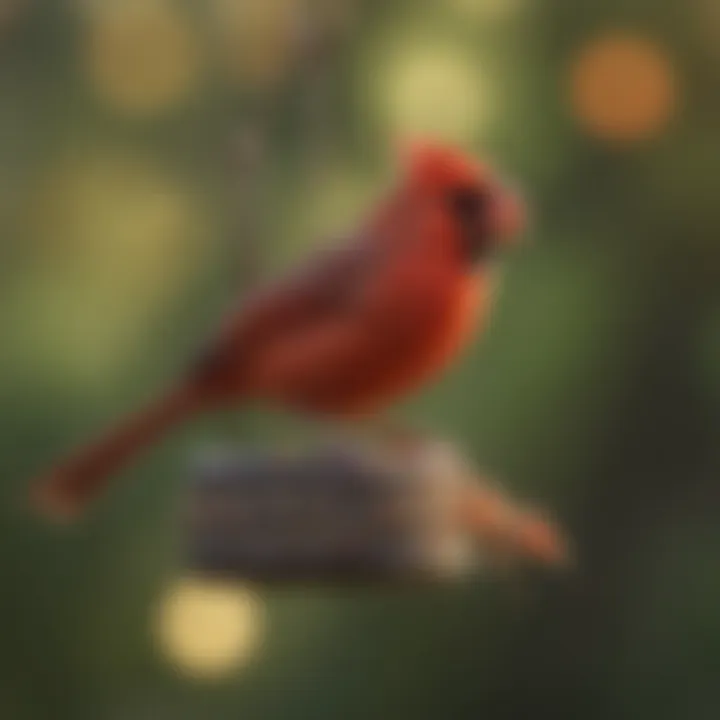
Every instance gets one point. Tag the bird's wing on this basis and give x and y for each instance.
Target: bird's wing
(376, 313)
(329, 284)
(346, 281)
(327, 287)
(328, 306)
(344, 278)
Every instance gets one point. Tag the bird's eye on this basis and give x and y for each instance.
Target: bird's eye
(468, 203)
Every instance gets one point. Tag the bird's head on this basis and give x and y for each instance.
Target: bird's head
(487, 213)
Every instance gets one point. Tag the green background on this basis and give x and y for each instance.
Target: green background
(596, 391)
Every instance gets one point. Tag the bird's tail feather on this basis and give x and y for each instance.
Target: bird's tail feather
(75, 481)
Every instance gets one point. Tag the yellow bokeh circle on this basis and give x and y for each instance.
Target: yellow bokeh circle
(254, 42)
(141, 59)
(115, 241)
(206, 629)
(431, 88)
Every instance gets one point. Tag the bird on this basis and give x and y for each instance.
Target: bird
(363, 322)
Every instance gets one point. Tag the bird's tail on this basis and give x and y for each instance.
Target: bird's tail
(75, 481)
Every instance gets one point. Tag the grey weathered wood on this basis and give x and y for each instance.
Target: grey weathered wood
(333, 514)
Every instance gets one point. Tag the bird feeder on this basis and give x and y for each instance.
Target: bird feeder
(352, 513)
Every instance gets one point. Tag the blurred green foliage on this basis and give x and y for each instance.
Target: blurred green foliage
(125, 221)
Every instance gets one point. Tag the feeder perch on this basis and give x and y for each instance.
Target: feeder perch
(351, 513)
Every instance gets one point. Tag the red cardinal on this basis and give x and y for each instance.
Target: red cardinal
(358, 326)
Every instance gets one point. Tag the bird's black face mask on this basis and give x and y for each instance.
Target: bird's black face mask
(471, 207)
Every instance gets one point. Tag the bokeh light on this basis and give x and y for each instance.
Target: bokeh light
(431, 88)
(623, 88)
(255, 41)
(117, 239)
(141, 57)
(207, 629)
